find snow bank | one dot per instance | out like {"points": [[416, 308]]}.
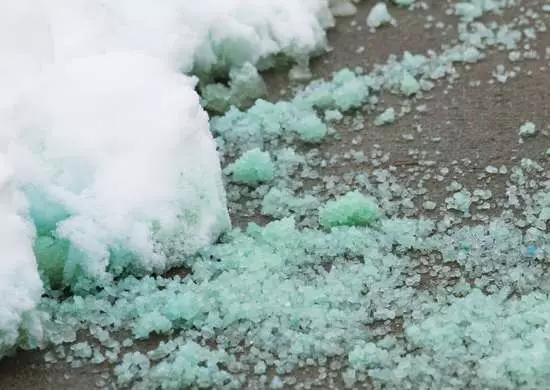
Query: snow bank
{"points": [[203, 36]]}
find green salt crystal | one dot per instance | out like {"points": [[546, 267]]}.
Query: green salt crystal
{"points": [[310, 128], [352, 209], [527, 129], [388, 116], [409, 85], [253, 167]]}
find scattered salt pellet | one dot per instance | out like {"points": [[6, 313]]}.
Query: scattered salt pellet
{"points": [[386, 117], [527, 129], [429, 205], [501, 74], [491, 169]]}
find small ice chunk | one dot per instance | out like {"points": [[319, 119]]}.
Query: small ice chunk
{"points": [[379, 15], [468, 11]]}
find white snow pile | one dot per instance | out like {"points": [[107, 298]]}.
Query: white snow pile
{"points": [[112, 159], [190, 35], [119, 147]]}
